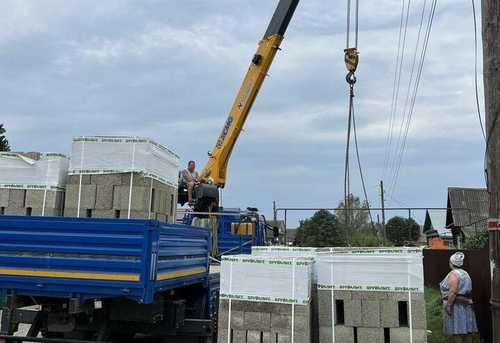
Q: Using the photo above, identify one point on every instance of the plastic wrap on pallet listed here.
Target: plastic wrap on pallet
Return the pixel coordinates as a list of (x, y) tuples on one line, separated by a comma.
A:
[(266, 279), (109, 155), (48, 172), (377, 269), (279, 251)]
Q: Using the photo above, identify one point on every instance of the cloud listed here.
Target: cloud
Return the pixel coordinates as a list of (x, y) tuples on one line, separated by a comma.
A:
[(170, 70)]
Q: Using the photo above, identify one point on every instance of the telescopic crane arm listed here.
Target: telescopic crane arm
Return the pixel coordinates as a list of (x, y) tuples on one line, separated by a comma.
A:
[(215, 170)]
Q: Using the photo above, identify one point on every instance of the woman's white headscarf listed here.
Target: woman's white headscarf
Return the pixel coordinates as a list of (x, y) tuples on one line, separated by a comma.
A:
[(457, 259)]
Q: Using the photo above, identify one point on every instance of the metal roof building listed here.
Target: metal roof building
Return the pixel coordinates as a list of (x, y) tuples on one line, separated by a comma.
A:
[(467, 209)]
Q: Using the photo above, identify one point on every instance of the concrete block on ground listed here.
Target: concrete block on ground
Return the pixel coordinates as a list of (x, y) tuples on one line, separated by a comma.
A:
[(370, 335), (238, 320), (284, 338), (253, 336), (258, 321), (419, 317), (222, 336), (343, 334), (402, 335), (389, 311), (4, 197), (369, 295), (239, 336), (352, 313), (281, 323), (370, 313), (104, 197), (17, 198)]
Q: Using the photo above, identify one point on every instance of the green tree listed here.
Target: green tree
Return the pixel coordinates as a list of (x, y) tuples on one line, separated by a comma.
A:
[(479, 240), (428, 227), (321, 230), (356, 219), (402, 231), (4, 143)]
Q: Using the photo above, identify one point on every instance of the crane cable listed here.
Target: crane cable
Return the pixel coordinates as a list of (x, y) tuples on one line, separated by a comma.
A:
[(351, 60)]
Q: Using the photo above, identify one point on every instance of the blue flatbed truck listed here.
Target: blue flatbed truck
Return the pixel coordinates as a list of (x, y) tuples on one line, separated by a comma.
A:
[(105, 280)]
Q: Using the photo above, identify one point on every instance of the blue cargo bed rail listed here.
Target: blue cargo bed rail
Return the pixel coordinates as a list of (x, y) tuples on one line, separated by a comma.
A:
[(87, 259)]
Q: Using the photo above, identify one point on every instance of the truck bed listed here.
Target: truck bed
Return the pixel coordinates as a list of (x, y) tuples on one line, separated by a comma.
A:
[(85, 259)]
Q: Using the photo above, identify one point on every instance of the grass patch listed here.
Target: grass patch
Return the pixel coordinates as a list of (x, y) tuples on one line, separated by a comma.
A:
[(434, 310)]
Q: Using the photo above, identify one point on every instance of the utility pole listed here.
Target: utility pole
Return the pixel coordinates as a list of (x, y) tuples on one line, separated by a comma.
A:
[(491, 54), (382, 205)]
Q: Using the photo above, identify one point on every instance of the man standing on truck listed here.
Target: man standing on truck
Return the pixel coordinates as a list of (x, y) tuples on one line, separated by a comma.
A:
[(189, 177)]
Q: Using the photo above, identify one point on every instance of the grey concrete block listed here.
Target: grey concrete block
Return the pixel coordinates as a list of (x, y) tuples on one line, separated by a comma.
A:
[(371, 335), (4, 197), (239, 336), (106, 180), (369, 295), (160, 217), (138, 180), (75, 179), (133, 214), (104, 197), (34, 199), (267, 337), (104, 214), (403, 296), (87, 196), (13, 211), (70, 212), (17, 198), (302, 324), (389, 314), (402, 335), (253, 336), (325, 334), (222, 336), (419, 318), (258, 321), (370, 313), (281, 323), (237, 320), (284, 338), (140, 198), (352, 313), (344, 334)]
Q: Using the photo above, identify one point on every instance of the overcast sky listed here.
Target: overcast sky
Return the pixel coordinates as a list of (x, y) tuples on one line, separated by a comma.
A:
[(170, 69)]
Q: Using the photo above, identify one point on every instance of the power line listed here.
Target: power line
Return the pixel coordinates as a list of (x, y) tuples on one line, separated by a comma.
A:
[(415, 90), (397, 80), (476, 70)]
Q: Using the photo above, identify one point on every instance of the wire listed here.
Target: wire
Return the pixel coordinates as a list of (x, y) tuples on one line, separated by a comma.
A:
[(359, 163), (403, 26), (476, 70), (415, 91)]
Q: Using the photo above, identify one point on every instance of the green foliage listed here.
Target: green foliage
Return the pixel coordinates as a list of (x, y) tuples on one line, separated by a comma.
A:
[(434, 311), (366, 240), (321, 230), (357, 219), (428, 223), (479, 240), (4, 143), (402, 231)]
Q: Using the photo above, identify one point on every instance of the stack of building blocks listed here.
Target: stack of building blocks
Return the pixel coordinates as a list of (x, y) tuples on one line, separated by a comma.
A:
[(122, 177), (107, 196), (367, 316), (32, 184), (265, 299)]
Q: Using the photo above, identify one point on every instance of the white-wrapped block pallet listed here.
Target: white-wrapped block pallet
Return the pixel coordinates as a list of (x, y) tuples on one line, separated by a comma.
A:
[(371, 295), (122, 177), (32, 183), (265, 299)]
